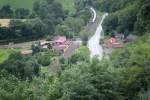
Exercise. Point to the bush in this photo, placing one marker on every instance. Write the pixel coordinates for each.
(44, 58)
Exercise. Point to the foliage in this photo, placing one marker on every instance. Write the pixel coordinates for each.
(82, 54)
(134, 62)
(68, 5)
(51, 13)
(72, 25)
(6, 11)
(21, 13)
(43, 58)
(126, 16)
(76, 83)
(20, 66)
(4, 54)
(11, 88)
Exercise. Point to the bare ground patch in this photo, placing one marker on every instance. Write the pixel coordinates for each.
(4, 22)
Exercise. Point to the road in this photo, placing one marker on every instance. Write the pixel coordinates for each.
(94, 14)
(94, 42)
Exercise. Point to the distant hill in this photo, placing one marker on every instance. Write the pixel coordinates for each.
(18, 3)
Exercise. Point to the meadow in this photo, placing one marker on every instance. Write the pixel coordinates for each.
(67, 4)
(18, 3)
(4, 54)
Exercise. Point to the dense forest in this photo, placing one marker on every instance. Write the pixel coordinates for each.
(128, 17)
(46, 75)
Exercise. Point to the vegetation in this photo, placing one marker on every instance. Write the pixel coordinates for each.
(68, 5)
(48, 18)
(126, 76)
(127, 17)
(4, 54)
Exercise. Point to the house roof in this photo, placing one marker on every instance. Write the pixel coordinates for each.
(45, 47)
(113, 43)
(131, 37)
(44, 42)
(61, 39)
(59, 47)
(112, 40)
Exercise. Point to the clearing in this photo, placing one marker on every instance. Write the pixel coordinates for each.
(4, 54)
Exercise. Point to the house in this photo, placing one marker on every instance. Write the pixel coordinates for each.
(44, 44)
(61, 43)
(113, 43)
(119, 36)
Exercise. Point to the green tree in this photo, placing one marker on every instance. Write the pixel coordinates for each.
(20, 66)
(44, 58)
(21, 13)
(76, 83)
(81, 55)
(6, 12)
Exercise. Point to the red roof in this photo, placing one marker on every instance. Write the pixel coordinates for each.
(112, 42)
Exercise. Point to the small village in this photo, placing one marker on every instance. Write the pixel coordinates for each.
(60, 44)
(66, 47)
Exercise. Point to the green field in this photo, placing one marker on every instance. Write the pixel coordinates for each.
(68, 5)
(4, 54)
(18, 3)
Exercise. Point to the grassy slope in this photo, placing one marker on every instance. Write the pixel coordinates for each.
(18, 3)
(68, 5)
(4, 54)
